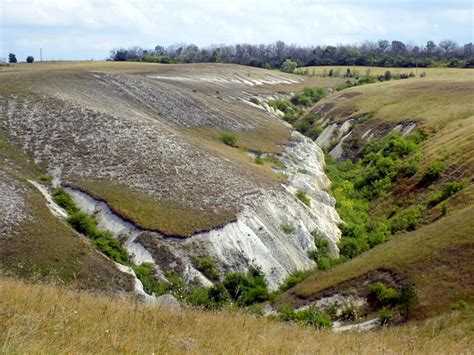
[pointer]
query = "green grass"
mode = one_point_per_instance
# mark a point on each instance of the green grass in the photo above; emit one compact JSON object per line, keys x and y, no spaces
{"x":438,"y":258}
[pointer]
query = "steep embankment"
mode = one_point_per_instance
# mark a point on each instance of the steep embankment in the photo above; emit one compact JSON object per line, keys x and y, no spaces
{"x":144,"y":139}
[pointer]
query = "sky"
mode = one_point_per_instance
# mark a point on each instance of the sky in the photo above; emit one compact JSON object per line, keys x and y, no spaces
{"x":89,"y":29}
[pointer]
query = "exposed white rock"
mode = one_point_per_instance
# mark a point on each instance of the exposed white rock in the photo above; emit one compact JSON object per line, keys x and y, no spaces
{"x":256,"y":238}
{"x":359,"y":327}
{"x":53,"y":206}
{"x":167,"y":301}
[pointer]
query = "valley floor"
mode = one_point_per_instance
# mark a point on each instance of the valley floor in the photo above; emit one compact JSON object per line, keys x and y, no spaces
{"x":51,"y":319}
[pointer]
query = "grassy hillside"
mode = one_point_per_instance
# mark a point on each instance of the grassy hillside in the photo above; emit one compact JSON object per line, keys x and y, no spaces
{"x":41,"y":245}
{"x":437,"y":257}
{"x":40,"y":318}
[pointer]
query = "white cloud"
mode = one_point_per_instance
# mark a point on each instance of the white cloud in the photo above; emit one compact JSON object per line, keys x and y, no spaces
{"x":90,"y":28}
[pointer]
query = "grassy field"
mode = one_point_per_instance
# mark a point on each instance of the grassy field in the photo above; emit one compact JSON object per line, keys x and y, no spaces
{"x":49,"y":319}
{"x":430,"y":72}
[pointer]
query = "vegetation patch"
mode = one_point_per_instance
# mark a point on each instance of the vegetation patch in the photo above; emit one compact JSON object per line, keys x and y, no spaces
{"x":228,"y":138}
{"x":301,"y":195}
{"x":208,"y":267}
{"x":164,"y":216}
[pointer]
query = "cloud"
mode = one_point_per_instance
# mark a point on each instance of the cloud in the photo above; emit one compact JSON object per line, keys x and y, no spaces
{"x":81,"y":29}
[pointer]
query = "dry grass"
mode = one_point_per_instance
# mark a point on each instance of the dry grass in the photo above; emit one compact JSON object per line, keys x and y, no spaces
{"x":437,"y":258}
{"x":164,"y":216}
{"x":48,"y":319}
{"x":430,"y":72}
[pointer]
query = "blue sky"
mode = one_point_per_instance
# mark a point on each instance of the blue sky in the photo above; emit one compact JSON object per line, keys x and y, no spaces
{"x":85,"y":29}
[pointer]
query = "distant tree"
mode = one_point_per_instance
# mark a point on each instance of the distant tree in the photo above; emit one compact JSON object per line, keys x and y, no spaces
{"x":12,"y":58}
{"x":430,"y":47}
{"x":288,"y":66}
{"x":30,"y":59}
{"x":398,"y":47}
{"x":383,"y":45}
{"x":160,"y":50}
{"x":447,"y":45}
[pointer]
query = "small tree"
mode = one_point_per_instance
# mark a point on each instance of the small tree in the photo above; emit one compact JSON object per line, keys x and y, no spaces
{"x":288,"y":66}
{"x":408,"y":298}
{"x":30,"y":59}
{"x":12,"y":58}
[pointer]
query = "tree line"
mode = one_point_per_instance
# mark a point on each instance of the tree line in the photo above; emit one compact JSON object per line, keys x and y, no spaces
{"x":382,"y":53}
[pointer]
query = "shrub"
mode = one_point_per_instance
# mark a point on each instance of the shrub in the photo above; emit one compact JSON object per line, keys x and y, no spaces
{"x":111,"y":247}
{"x":385,"y":316}
{"x":254,"y":100}
{"x":388,"y":75}
{"x":287,"y":228}
{"x":382,"y":295}
{"x":306,"y":317}
{"x":294,"y":279}
{"x":228,"y":139}
{"x":83,"y":223}
{"x":409,"y":168}
{"x":349,"y":312}
{"x":199,"y":297}
{"x":145,"y":272}
{"x":315,"y":132}
{"x":275,"y":162}
{"x":246,"y":289}
{"x":432,"y":173}
{"x":408,"y":298}
{"x":208,"y":267}
{"x":408,"y":219}
{"x":351,"y":247}
{"x":301,"y":195}
{"x":62,"y":198}
{"x":422,"y":75}
{"x":449,"y":189}
{"x":30,"y":59}
{"x":288,"y":66}
{"x":218,"y":294}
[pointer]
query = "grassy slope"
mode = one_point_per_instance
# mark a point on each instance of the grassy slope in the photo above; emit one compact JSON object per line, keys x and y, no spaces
{"x":438,"y":257}
{"x":39,"y":318}
{"x":167,"y":215}
{"x":46,"y":247}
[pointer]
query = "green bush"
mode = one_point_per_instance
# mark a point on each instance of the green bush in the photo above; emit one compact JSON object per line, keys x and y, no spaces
{"x":306,"y":317}
{"x":432,"y":173}
{"x":408,"y":298}
{"x":294,"y":279}
{"x":83,"y":223}
{"x":385,"y":316}
{"x":199,"y":297}
{"x":208,"y":267}
{"x":382,"y":295}
{"x":145,"y":273}
{"x":408,"y":219}
{"x":409,"y":168}
{"x":315,"y":132}
{"x":218,"y":294}
{"x":62,"y":198}
{"x":301,"y":195}
{"x":287,"y":228}
{"x":288,"y":66}
{"x":228,"y":138}
{"x":111,"y":247}
{"x":246,"y":289}
{"x":449,"y":189}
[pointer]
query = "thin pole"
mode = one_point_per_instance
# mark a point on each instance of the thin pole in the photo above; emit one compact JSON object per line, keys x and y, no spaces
{"x":41,"y":54}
